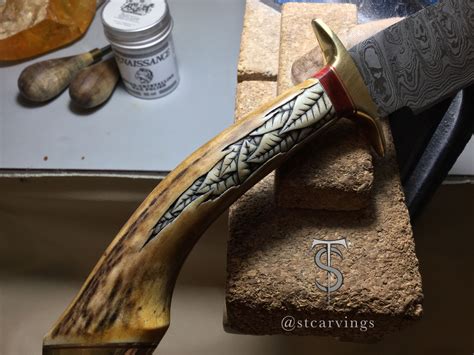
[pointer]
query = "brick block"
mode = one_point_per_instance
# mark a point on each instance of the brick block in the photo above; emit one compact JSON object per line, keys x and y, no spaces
{"x":251,"y":94}
{"x":271,"y":268}
{"x":272,"y":272}
{"x":260,"y":41}
{"x":335,"y":173}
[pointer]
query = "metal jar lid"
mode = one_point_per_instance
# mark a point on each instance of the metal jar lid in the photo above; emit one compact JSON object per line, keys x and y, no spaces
{"x":136,"y":23}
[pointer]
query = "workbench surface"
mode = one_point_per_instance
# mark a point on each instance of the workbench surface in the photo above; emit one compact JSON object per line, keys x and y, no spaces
{"x":128,"y":134}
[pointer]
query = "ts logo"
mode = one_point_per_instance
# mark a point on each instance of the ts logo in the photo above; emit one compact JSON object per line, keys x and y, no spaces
{"x":329,"y":248}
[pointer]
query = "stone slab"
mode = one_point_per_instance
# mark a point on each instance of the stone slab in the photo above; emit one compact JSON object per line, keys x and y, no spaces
{"x":272,"y":272}
{"x":335,"y":173}
{"x":250,"y":94}
{"x":270,"y":264}
{"x":258,"y":59}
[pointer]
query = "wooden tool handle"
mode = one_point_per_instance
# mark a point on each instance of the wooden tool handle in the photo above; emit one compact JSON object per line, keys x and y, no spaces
{"x":93,"y":85}
{"x":45,"y":80}
{"x":124,"y":305}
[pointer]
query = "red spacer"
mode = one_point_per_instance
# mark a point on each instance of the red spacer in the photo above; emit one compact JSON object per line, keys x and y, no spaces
{"x":336,"y":91}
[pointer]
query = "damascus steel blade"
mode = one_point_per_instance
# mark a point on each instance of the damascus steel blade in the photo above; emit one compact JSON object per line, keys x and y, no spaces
{"x":421,"y":60}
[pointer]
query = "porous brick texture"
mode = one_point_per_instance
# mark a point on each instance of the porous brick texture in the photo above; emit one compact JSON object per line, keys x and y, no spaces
{"x":272,"y":272}
{"x":260,"y":41}
{"x":251,"y":94}
{"x":297,"y":37}
{"x":336,"y":172}
{"x":271,"y":268}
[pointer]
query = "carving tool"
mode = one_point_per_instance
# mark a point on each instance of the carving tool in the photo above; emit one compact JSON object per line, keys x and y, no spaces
{"x":124,"y":305}
{"x":45,"y":80}
{"x":93,"y":85}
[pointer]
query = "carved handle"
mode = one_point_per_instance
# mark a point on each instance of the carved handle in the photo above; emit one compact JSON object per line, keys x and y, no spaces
{"x":124,"y":305}
{"x":128,"y":293}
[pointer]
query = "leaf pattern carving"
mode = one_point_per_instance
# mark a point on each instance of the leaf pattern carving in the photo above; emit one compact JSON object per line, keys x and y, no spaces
{"x":309,"y":107}
{"x":283,"y":128}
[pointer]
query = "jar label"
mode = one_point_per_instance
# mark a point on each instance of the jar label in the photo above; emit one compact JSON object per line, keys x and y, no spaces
{"x":128,"y":15}
{"x":151,"y":76}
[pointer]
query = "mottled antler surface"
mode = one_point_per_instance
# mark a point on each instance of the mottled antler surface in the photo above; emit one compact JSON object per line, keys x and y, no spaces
{"x":123,"y":307}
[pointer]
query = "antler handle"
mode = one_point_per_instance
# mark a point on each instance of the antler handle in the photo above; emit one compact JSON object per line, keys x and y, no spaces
{"x":124,"y":305}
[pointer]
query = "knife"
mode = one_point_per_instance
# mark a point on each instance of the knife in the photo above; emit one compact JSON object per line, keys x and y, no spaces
{"x":427,"y":144}
{"x":124,"y":305}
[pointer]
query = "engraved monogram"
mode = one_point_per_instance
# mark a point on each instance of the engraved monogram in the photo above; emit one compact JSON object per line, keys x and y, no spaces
{"x":329,"y":249}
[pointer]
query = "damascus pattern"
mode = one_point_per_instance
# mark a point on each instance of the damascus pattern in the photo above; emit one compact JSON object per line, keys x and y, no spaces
{"x":282,"y":128}
{"x":419,"y":61}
